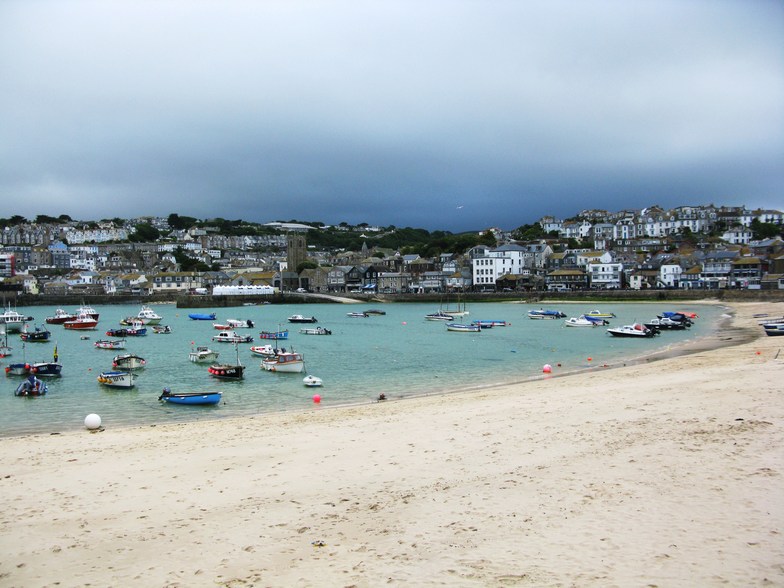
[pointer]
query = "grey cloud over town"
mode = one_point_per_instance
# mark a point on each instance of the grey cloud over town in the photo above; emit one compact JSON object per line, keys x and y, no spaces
{"x":444,"y":115}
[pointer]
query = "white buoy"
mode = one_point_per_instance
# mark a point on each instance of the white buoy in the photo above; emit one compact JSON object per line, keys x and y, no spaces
{"x":92,"y":421}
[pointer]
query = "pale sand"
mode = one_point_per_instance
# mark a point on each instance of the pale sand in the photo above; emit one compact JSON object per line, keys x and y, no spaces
{"x":664,"y":473}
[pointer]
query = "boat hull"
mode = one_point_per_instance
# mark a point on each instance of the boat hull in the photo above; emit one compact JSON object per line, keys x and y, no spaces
{"x":116,"y":379}
{"x":226,"y":372}
{"x":192,"y":398}
{"x":31,"y":387}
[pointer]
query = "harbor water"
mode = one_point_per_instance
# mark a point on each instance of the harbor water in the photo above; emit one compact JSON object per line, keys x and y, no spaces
{"x":399,"y":354}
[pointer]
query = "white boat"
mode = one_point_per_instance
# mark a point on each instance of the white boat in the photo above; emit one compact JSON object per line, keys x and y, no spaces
{"x":312,"y":381}
{"x":110,"y":344}
{"x":543,"y":314}
{"x":148,"y":316}
{"x":457,"y":327}
{"x":240,"y":323}
{"x":265,"y":351}
{"x":88,"y":310}
{"x":599,"y":314}
{"x":580,"y":321}
{"x":315,"y":331}
{"x":128,"y":361}
{"x":12,"y":321}
{"x":116,"y":379}
{"x":439,"y":316}
{"x":232,"y":337}
{"x":203,"y":354}
{"x":357,"y":314}
{"x":298,"y":318}
{"x":633,"y":330}
{"x":285,"y":361}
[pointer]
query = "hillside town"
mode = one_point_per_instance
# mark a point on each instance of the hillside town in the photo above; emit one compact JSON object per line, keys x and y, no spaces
{"x":689,"y":247}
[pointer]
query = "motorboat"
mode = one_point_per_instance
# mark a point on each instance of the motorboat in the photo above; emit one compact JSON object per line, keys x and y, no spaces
{"x":599,"y":314}
{"x":31,"y":386}
{"x":88,"y":310}
{"x":439,"y":316}
{"x":146,"y":316}
{"x":284,"y":361}
{"x":128,"y":361}
{"x":633,"y":330}
{"x":82,"y":322}
{"x":37,"y":335}
{"x":298,"y":318}
{"x":161,"y":329}
{"x":543,"y":314}
{"x":312,"y":381}
{"x":110,"y":344}
{"x":357,"y":314}
{"x":232,"y":337}
{"x":489,"y":323}
{"x":462,"y":328}
{"x":12,"y":321}
{"x":59,"y":317}
{"x":203,"y":354}
{"x":192,"y":398}
{"x":580,"y":321}
{"x":117,"y":379}
{"x":274,"y":335}
{"x":240,"y":323}
{"x":666,"y":324}
{"x":677,"y":317}
{"x":200,"y":316}
{"x":315,"y":331}
{"x":265,"y":351}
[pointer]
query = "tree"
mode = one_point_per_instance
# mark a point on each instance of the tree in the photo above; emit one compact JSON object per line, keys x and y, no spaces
{"x":762,"y":230}
{"x":145,"y":232}
{"x":308,"y":264}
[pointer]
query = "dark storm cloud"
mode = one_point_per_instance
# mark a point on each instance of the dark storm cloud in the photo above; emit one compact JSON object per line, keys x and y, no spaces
{"x":453,"y":115}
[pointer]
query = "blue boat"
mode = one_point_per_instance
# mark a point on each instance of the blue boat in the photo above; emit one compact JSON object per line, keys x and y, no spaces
{"x":485,"y":324}
{"x":199,"y":316}
{"x":32,"y":386}
{"x":190,"y":397}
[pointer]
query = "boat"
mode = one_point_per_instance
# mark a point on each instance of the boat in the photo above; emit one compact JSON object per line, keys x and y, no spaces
{"x":88,"y":310}
{"x":232,"y":337}
{"x":461,"y":328}
{"x":773,"y":329}
{"x":274,"y":334}
{"x":676,"y":316}
{"x":192,"y":398}
{"x":148,"y":316}
{"x":128,"y":361}
{"x":161,"y":329}
{"x":666,"y":324}
{"x":199,"y":316}
{"x":5,"y":350}
{"x":240,"y":323}
{"x":221,"y":326}
{"x":82,"y":322}
{"x":284,"y":361}
{"x":110,"y":344}
{"x":315,"y":331}
{"x":31,"y":386}
{"x":598,"y":320}
{"x":226,"y":371}
{"x":312,"y":381}
{"x":633,"y":330}
{"x":60,"y":316}
{"x":599,"y":314}
{"x":50,"y":369}
{"x":543,"y":314}
{"x":357,"y":314}
{"x":489,"y":323}
{"x":12,"y":320}
{"x":439,"y":316}
{"x":298,"y":318}
{"x":38,"y":335}
{"x":117,"y":333}
{"x":458,"y":310}
{"x":266,"y":351}
{"x":581,"y":321}
{"x":136,"y":330}
{"x":375,"y":311}
{"x":116,"y":379}
{"x":17,"y":369}
{"x":203,"y":354}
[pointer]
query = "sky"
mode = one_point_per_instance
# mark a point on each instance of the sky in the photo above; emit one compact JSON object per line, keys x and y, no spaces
{"x":438,"y":114}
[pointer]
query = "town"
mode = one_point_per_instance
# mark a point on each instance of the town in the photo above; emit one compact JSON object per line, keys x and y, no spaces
{"x":687,"y":248}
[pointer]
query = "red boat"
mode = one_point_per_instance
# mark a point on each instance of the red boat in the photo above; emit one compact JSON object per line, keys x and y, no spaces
{"x":60,"y":316}
{"x":81,"y":322}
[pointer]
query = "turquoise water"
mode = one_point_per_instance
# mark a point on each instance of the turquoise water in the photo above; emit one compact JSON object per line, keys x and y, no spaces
{"x":400,"y":354}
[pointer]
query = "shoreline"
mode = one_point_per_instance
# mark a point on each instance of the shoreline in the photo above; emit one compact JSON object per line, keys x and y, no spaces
{"x":658,"y":473}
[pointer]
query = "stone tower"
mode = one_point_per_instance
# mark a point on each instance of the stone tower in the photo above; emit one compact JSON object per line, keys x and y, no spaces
{"x":297,"y":250}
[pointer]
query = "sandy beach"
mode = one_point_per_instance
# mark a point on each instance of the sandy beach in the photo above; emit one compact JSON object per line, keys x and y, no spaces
{"x":663,"y":473}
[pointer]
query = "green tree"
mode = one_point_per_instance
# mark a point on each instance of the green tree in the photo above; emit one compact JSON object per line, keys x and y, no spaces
{"x":144,"y":233}
{"x":762,"y":230}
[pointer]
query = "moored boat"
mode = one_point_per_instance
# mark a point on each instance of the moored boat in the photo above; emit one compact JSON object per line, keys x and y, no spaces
{"x":37,"y":335}
{"x":128,"y":361}
{"x":461,"y":328}
{"x":489,"y":323}
{"x":110,"y":344}
{"x":226,"y":371}
{"x":439,"y":316}
{"x":88,"y":310}
{"x":274,"y":334}
{"x":357,"y":314}
{"x":203,"y":354}
{"x":232,"y":337}
{"x":633,"y":330}
{"x":599,"y":314}
{"x":59,"y":317}
{"x":315,"y":331}
{"x":773,"y":329}
{"x":161,"y":329}
{"x":266,"y":351}
{"x":12,"y":321}
{"x":82,"y":322}
{"x":284,"y":361}
{"x":31,"y":386}
{"x":545,"y":314}
{"x":200,"y":316}
{"x":312,"y":381}
{"x":116,"y":379}
{"x":191,"y":398}
{"x":298,"y":318}
{"x":581,"y":321}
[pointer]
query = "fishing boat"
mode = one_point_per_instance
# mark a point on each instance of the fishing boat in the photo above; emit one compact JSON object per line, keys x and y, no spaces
{"x":232,"y":337}
{"x":59,"y":317}
{"x":312,"y":381}
{"x":47,"y":368}
{"x":12,"y":321}
{"x":135,"y":330}
{"x":192,"y":398}
{"x":298,"y":318}
{"x":38,"y":335}
{"x":82,"y":322}
{"x":31,"y":386}
{"x":88,"y":310}
{"x":634,"y":330}
{"x":543,"y":314}
{"x":128,"y":361}
{"x":202,"y":354}
{"x":463,"y":328}
{"x":117,"y":379}
{"x":200,"y":316}
{"x":274,"y":334}
{"x":315,"y":331}
{"x":110,"y":344}
{"x":227,"y":371}
{"x":284,"y":361}
{"x":599,"y":314}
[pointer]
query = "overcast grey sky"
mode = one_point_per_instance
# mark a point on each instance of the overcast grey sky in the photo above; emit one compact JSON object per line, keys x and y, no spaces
{"x":441,"y":114}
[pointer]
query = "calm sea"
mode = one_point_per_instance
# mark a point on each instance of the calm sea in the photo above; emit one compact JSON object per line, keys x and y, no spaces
{"x":399,"y":354}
